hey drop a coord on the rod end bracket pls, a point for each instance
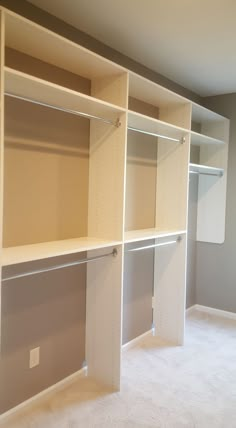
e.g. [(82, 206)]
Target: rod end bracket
[(117, 123), (114, 252)]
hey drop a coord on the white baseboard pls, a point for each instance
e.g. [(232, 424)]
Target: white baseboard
[(46, 392), (191, 309), (135, 341), (213, 311)]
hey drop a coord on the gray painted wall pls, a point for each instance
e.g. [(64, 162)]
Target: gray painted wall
[(47, 310), (191, 254), (138, 291), (216, 264), (192, 230)]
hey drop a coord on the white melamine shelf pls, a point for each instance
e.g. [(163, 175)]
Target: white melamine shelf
[(156, 126), (152, 93), (202, 114), (201, 140), (27, 86), (45, 250), (207, 170), (39, 42), (145, 234)]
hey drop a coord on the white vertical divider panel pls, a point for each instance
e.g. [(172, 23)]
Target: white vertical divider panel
[(105, 277), (2, 60), (106, 179), (113, 89), (171, 213), (212, 190), (170, 291), (172, 184), (103, 318)]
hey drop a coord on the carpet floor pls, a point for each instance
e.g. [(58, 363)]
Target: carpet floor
[(193, 386)]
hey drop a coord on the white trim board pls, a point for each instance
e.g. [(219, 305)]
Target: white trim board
[(190, 309), (50, 390), (213, 311), (135, 341)]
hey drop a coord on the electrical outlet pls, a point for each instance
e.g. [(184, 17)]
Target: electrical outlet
[(34, 357)]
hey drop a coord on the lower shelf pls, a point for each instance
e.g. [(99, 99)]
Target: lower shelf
[(28, 253), (144, 234), (205, 170)]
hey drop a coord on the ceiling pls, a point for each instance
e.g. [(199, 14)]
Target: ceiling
[(190, 42)]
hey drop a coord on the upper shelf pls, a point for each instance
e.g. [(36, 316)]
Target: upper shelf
[(202, 114), (148, 97), (145, 234), (152, 93), (23, 85), (39, 42), (201, 140), (45, 250), (208, 124), (153, 126)]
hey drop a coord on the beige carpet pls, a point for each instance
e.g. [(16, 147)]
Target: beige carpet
[(162, 386)]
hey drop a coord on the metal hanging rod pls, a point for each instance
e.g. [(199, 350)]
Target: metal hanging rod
[(214, 174), (62, 266), (161, 244), (116, 123), (154, 134)]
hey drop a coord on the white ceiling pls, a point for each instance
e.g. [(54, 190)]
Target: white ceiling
[(192, 42)]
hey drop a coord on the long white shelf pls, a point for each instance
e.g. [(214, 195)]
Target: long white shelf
[(152, 93), (45, 250), (32, 39), (27, 86), (145, 234), (205, 170), (201, 140), (202, 114), (155, 126)]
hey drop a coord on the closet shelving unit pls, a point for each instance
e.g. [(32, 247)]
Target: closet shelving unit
[(62, 177), (208, 160), (95, 158), (156, 195)]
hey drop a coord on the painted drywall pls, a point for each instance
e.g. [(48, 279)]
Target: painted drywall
[(215, 265), (191, 253), (192, 231), (46, 311), (138, 291)]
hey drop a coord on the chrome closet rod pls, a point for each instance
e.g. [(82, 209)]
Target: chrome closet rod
[(65, 110), (154, 134), (62, 266), (161, 244), (214, 174)]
